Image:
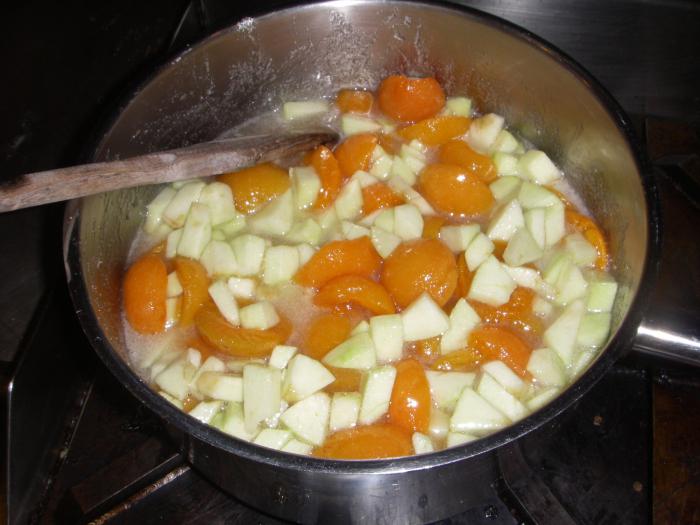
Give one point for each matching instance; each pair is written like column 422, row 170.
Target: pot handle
column 670, row 329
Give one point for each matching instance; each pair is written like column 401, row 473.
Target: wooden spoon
column 198, row 160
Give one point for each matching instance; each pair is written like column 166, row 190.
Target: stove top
column 81, row 449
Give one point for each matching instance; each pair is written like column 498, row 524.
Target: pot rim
column 615, row 348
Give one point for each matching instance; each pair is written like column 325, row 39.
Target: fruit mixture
column 425, row 283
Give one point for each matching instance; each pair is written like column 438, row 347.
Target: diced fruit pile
column 423, row 284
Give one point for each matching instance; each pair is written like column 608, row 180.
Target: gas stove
column 79, row 448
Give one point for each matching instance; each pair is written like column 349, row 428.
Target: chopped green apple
column 408, row 222
column 535, row 196
column 542, row 398
column 218, row 197
column 505, row 142
column 249, row 251
column 174, row 288
column 547, row 368
column 351, row 230
column 506, row 164
column 505, row 377
column 294, row 446
column 259, row 316
column 280, row 356
column 178, row 208
column 355, row 352
column 276, row 218
column 458, row 237
column 507, row 220
column 196, row 233
column 205, row 411
column 423, row 319
column 490, row 389
column 154, row 211
column 305, row 231
column 582, row 252
column 554, row 224
column 535, row 223
column 280, row 264
column 345, row 409
column 242, row 287
column 171, row 242
column 536, row 166
column 348, row 204
column 484, row 131
column 505, row 188
column 383, row 241
column 308, row 419
column 386, row 332
column 376, row 394
column 593, row 330
column 422, row 444
column 218, row 259
column 262, row 391
column 274, row 438
column 458, row 106
column 474, row 415
column 221, row 386
column 463, row 319
column 479, row 249
column 491, row 283
column 352, row 124
column 306, row 251
column 446, row 387
column 561, row 334
column 601, row 295
column 225, row 301
column 304, row 376
column 233, row 422
column 306, row 185
column 522, row 249
column 304, row 109
column 459, row 438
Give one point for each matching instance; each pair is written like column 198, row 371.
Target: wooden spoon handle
column 199, row 160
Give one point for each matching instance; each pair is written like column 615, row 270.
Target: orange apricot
column 324, row 334
column 592, row 233
column 410, row 398
column 145, row 292
column 378, row 196
column 377, row 441
column 358, row 290
column 255, row 186
column 239, row 341
column 459, row 153
column 346, row 380
column 195, row 288
column 432, row 225
column 516, row 314
column 464, row 276
column 354, row 101
column 436, row 130
column 422, row 265
column 410, row 99
column 463, row 360
column 347, row 257
column 453, row 189
column 425, row 350
column 326, row 166
column 493, row 342
column 355, row 153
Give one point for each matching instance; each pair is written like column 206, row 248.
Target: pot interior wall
column 312, row 51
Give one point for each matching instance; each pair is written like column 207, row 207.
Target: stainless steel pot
column 310, row 51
